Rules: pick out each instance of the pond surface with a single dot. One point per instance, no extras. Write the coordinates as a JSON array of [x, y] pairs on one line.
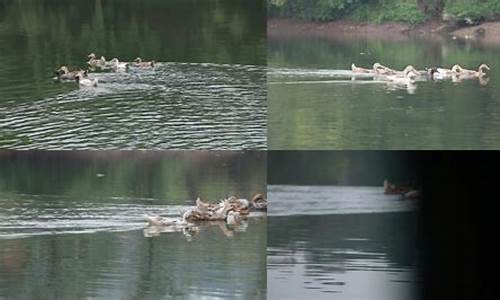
[[340, 242], [71, 226], [314, 103], [207, 91]]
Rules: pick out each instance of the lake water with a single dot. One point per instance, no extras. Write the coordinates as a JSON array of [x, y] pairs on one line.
[[71, 226], [340, 242], [207, 91], [314, 104]]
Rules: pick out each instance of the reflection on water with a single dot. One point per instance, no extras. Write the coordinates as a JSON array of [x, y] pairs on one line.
[[72, 225], [209, 92], [358, 248], [315, 104]]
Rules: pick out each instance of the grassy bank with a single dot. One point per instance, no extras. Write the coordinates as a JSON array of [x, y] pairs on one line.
[[379, 11]]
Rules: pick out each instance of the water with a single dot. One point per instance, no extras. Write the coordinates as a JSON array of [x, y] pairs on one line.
[[342, 242], [207, 92], [314, 104], [76, 229]]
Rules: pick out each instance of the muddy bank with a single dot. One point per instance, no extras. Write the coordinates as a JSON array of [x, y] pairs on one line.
[[488, 33]]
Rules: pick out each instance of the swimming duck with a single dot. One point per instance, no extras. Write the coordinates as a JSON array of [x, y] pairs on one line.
[[63, 73], [481, 71], [442, 73], [116, 65], [143, 64], [233, 217], [383, 70], [408, 78], [392, 189], [259, 202], [356, 69], [85, 82], [95, 62]]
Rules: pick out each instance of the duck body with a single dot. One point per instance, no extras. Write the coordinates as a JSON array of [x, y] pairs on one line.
[[86, 82], [356, 69], [95, 62], [64, 74], [117, 66], [392, 189], [143, 64], [481, 71]]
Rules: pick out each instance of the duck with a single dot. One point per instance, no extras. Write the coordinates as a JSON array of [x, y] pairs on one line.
[[94, 62], [85, 82], [442, 73], [233, 217], [63, 73], [383, 70], [408, 78], [116, 65], [472, 73], [392, 189], [143, 64], [356, 69], [259, 202], [163, 221]]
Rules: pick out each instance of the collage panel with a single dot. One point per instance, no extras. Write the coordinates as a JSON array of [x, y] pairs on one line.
[[340, 77], [128, 74], [113, 225], [343, 225]]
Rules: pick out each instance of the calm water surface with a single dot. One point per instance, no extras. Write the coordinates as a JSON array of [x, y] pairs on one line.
[[314, 104], [71, 226], [207, 92], [339, 242]]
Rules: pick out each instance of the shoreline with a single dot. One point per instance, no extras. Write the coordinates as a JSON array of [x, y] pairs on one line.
[[486, 33]]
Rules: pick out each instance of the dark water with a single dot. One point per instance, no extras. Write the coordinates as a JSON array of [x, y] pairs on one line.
[[71, 226], [314, 104], [208, 91], [334, 242]]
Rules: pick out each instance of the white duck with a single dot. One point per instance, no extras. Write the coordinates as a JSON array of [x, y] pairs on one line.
[[356, 69], [85, 82], [481, 71], [116, 65]]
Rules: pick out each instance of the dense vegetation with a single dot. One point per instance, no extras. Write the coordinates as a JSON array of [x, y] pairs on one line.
[[409, 11]]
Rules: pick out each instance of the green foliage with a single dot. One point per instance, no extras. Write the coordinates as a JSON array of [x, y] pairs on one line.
[[473, 9], [382, 10]]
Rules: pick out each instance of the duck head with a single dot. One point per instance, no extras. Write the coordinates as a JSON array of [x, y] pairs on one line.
[[409, 68], [482, 68], [258, 201], [138, 60], [91, 55], [457, 69]]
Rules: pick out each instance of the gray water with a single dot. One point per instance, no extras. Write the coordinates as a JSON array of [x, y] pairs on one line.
[[340, 242], [72, 225], [314, 103]]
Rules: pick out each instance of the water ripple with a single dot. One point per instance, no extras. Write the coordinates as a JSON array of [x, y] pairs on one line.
[[175, 106]]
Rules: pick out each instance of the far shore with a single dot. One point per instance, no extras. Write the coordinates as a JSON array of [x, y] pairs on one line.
[[485, 33]]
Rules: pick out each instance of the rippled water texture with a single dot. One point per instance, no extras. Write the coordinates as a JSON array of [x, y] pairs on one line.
[[72, 226], [207, 91], [340, 242], [315, 104]]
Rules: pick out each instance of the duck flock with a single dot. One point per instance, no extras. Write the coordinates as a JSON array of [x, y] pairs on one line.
[[410, 75], [231, 210], [82, 78]]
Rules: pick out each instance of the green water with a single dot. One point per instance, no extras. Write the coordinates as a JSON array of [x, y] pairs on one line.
[[71, 225], [318, 110], [207, 91]]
